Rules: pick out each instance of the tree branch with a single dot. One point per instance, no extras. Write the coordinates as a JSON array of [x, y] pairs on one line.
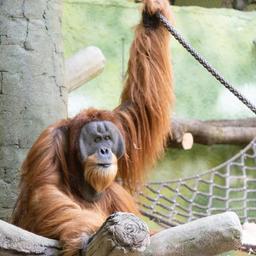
[[206, 236], [237, 132], [122, 233], [83, 66], [126, 233], [17, 241]]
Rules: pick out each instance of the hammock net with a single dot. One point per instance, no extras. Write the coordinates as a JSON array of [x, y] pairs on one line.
[[229, 186]]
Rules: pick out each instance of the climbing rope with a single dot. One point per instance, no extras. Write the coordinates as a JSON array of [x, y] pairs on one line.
[[204, 63], [230, 186]]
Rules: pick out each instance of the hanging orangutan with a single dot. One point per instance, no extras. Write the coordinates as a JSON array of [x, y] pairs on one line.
[[69, 179]]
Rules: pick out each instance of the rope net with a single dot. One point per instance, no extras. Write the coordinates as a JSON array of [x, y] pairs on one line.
[[229, 186]]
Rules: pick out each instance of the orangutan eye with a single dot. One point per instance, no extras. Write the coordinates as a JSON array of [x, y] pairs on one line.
[[97, 139], [107, 138]]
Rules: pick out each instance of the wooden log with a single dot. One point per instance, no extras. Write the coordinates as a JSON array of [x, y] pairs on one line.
[[184, 141], [83, 66], [17, 241], [207, 236], [124, 233], [179, 138], [249, 238], [236, 132], [204, 237]]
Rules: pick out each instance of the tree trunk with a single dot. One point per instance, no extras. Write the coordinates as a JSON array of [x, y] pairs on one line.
[[32, 92]]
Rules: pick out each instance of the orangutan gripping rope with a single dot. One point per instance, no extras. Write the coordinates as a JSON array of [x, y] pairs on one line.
[[68, 184]]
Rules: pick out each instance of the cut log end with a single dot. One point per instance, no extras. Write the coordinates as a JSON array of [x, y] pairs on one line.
[[128, 231], [187, 141], [236, 132], [183, 141], [121, 233], [249, 238]]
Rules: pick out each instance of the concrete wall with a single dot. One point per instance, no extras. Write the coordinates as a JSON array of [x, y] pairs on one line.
[[32, 94]]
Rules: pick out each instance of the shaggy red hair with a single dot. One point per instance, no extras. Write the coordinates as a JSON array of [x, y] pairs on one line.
[[50, 202]]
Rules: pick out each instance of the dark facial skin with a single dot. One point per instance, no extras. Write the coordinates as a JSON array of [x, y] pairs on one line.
[[101, 138]]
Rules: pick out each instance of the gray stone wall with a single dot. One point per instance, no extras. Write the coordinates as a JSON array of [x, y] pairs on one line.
[[32, 92]]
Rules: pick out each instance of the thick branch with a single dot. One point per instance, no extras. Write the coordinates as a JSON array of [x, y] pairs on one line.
[[83, 66], [126, 233], [16, 241], [238, 132], [121, 233], [207, 236]]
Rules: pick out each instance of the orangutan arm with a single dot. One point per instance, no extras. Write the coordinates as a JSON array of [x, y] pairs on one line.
[[147, 97], [53, 214]]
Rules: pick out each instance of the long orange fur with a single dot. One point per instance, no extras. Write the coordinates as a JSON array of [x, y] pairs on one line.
[[50, 203]]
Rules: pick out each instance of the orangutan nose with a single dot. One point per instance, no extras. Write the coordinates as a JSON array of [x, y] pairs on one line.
[[104, 153]]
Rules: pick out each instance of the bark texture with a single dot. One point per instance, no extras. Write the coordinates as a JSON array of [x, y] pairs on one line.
[[83, 66], [121, 234], [207, 236], [17, 241], [126, 234], [236, 132], [32, 92]]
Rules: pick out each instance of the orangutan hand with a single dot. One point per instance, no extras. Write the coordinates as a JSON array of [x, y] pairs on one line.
[[151, 7], [86, 239]]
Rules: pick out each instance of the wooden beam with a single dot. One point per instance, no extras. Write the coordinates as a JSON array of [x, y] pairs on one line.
[[124, 233], [83, 66], [17, 241], [236, 132], [207, 236]]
